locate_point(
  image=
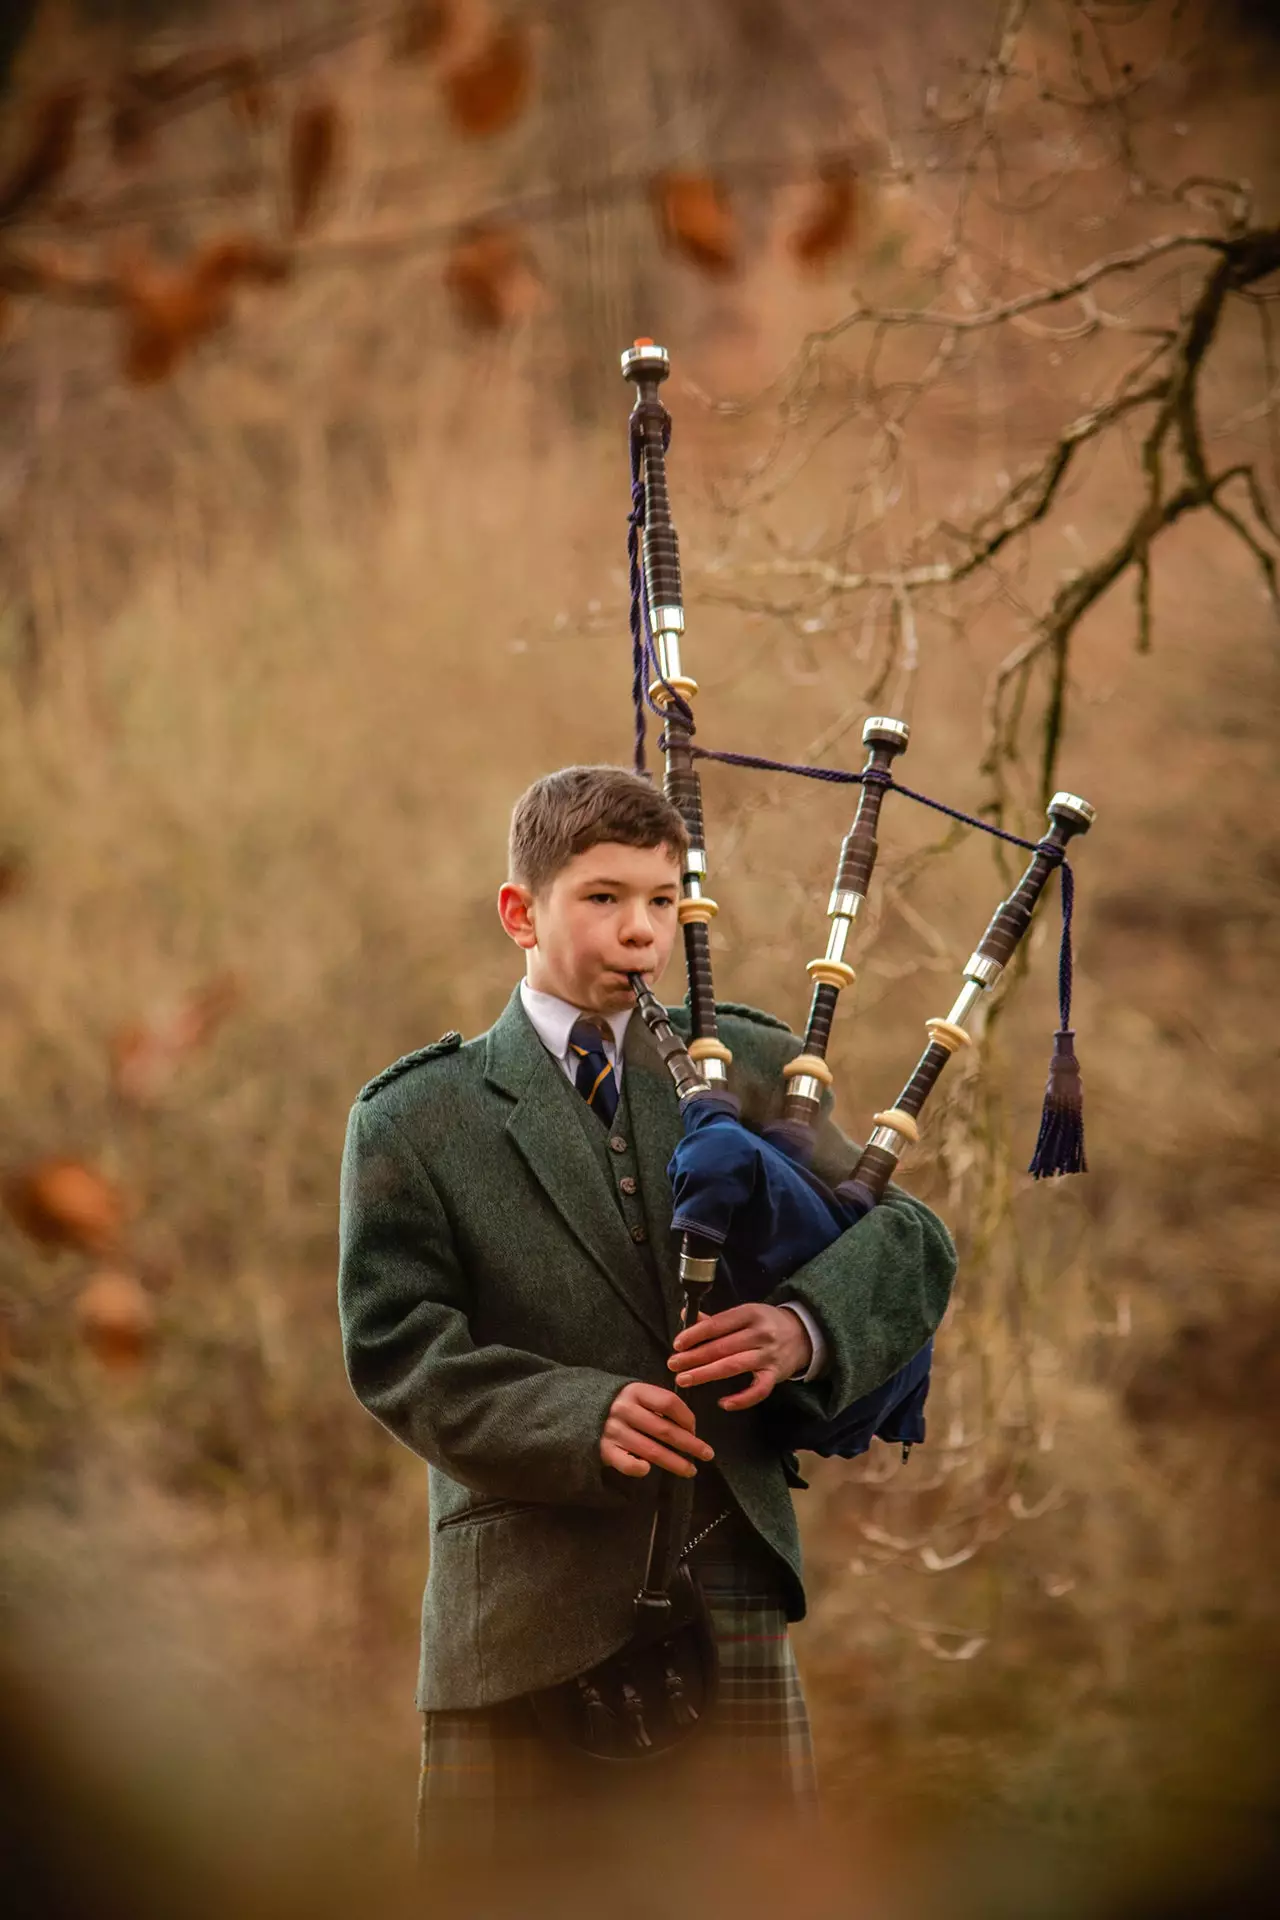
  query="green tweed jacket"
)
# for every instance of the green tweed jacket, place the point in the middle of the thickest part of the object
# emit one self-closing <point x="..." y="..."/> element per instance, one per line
<point x="506" y="1267"/>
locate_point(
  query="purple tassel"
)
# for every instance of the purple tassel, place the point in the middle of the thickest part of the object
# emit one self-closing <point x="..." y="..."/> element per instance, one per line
<point x="1060" y="1147"/>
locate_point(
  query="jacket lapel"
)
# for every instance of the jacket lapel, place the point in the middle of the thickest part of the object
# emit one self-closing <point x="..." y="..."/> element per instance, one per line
<point x="558" y="1152"/>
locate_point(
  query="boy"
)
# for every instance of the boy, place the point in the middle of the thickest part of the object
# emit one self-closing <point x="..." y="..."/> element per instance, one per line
<point x="509" y="1302"/>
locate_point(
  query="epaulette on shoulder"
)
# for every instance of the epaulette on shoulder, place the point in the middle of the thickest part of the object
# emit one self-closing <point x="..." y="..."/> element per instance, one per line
<point x="448" y="1044"/>
<point x="757" y="1014"/>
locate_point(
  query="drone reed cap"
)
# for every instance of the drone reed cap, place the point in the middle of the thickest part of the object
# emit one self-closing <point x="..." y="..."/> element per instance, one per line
<point x="880" y="731"/>
<point x="646" y="358"/>
<point x="1069" y="806"/>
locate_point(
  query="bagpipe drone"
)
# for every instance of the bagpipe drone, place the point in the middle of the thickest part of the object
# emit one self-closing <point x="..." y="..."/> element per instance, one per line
<point x="748" y="1207"/>
<point x="747" y="1204"/>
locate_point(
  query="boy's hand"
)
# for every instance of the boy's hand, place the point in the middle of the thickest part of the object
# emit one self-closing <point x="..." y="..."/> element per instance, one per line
<point x="651" y="1425"/>
<point x="767" y="1342"/>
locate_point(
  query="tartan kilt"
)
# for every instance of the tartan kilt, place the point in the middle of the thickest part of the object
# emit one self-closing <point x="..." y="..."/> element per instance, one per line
<point x="485" y="1770"/>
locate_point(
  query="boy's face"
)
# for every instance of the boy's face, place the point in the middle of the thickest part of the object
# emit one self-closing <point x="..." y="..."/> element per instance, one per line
<point x="609" y="912"/>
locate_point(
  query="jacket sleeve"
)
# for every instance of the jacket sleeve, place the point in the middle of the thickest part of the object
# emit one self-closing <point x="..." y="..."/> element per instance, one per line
<point x="509" y="1424"/>
<point x="877" y="1292"/>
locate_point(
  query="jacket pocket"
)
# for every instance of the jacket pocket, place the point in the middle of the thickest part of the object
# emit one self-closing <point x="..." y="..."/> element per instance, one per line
<point x="483" y="1510"/>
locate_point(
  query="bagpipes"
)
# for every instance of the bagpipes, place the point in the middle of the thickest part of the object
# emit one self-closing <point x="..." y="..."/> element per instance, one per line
<point x="748" y="1207"/>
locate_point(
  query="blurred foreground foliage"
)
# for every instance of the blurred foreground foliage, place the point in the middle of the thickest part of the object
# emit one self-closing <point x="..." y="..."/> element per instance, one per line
<point x="285" y="627"/>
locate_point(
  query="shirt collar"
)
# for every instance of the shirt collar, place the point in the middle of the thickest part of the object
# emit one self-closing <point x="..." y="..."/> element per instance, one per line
<point x="552" y="1020"/>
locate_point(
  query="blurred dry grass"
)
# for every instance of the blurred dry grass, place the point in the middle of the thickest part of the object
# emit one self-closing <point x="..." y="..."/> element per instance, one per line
<point x="284" y="660"/>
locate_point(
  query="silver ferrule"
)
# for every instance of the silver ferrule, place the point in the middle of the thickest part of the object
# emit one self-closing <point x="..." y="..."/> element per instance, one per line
<point x="696" y="1091"/>
<point x="985" y="972"/>
<point x="888" y="1139"/>
<point x="695" y="860"/>
<point x="697" y="1273"/>
<point x="667" y="647"/>
<point x="713" y="1072"/>
<point x="846" y="904"/>
<point x="840" y="925"/>
<point x="804" y="1086"/>
<point x="966" y="1000"/>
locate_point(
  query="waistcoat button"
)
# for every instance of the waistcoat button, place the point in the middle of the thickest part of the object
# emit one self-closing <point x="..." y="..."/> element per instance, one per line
<point x="629" y="1184"/>
<point x="638" y="1234"/>
<point x="618" y="1144"/>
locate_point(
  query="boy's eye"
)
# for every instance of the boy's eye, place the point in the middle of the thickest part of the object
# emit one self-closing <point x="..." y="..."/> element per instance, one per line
<point x="607" y="899"/>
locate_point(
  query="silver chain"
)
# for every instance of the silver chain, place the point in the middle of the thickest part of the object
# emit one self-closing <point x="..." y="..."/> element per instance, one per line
<point x="698" y="1538"/>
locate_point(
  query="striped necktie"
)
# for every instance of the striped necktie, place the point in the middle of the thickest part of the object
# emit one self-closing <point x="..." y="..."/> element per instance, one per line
<point x="594" y="1077"/>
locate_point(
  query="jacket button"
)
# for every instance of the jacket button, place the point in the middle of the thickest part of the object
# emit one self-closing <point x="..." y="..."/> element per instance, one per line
<point x="638" y="1234"/>
<point x="629" y="1184"/>
<point x="618" y="1144"/>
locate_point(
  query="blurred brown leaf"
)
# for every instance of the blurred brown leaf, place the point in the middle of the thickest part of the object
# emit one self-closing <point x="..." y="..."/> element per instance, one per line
<point x="151" y="352"/>
<point x="490" y="275"/>
<point x="488" y="91"/>
<point x="115" y="1319"/>
<point x="243" y="256"/>
<point x="167" y="309"/>
<point x="63" y="1203"/>
<point x="696" y="220"/>
<point x="421" y="28"/>
<point x="49" y="150"/>
<point x="830" y="221"/>
<point x="145" y="1054"/>
<point x="313" y="157"/>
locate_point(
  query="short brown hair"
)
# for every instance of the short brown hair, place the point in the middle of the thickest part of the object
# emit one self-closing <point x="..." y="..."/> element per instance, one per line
<point x="564" y="813"/>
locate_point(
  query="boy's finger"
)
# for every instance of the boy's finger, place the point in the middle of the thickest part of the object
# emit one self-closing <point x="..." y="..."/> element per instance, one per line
<point x="714" y="1326"/>
<point x="659" y="1429"/>
<point x="745" y="1340"/>
<point x="668" y="1405"/>
<point x="647" y="1449"/>
<point x="749" y="1362"/>
<point x="760" y="1389"/>
<point x="616" y="1456"/>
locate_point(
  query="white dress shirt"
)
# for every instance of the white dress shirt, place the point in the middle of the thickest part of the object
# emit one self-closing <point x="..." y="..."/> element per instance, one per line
<point x="552" y="1020"/>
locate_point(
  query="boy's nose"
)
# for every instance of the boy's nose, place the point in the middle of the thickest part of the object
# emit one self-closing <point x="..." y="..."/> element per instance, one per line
<point x="637" y="929"/>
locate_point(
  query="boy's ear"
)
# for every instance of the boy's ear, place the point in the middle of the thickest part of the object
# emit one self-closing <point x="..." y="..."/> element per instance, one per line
<point x="514" y="911"/>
